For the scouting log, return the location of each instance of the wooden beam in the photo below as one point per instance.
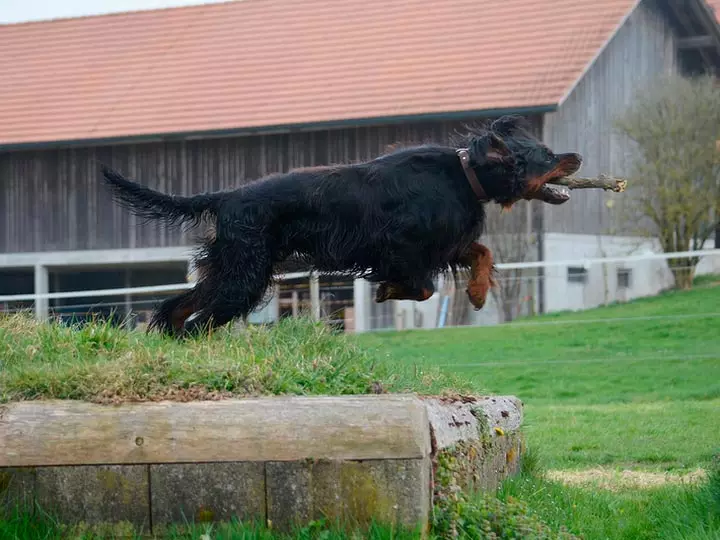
(696, 42)
(47, 433)
(681, 14)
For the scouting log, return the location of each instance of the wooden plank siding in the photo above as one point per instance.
(644, 48)
(54, 200)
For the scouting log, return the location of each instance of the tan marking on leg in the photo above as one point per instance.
(481, 275)
(180, 315)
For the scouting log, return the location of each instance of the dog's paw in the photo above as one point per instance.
(477, 293)
(384, 292)
(398, 291)
(478, 304)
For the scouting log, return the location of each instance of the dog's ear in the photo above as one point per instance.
(497, 150)
(490, 149)
(509, 125)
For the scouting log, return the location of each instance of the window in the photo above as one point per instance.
(623, 278)
(577, 274)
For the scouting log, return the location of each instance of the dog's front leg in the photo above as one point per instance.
(482, 267)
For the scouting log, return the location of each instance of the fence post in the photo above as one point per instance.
(361, 303)
(315, 295)
(42, 286)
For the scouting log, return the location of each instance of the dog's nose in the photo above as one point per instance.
(570, 162)
(572, 157)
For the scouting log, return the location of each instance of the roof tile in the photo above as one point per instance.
(261, 63)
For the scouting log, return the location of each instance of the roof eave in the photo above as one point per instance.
(277, 129)
(709, 19)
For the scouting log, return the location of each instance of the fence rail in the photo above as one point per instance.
(296, 275)
(568, 284)
(152, 289)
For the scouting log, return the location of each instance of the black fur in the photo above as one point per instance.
(403, 218)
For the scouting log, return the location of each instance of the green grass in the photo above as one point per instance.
(27, 527)
(660, 435)
(670, 512)
(526, 507)
(626, 385)
(102, 363)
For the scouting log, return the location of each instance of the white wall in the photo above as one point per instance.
(647, 277)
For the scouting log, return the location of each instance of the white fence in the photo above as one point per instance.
(547, 286)
(524, 289)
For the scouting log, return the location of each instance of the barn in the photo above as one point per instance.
(211, 96)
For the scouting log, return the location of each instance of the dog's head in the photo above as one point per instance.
(512, 164)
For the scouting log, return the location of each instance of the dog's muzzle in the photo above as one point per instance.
(553, 194)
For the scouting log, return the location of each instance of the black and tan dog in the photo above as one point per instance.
(399, 220)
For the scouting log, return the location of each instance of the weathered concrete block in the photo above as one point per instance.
(453, 420)
(481, 435)
(205, 492)
(291, 460)
(17, 491)
(95, 494)
(354, 492)
(289, 494)
(499, 460)
(483, 465)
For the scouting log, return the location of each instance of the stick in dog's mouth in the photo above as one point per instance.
(557, 190)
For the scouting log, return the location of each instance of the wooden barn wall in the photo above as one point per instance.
(644, 48)
(54, 200)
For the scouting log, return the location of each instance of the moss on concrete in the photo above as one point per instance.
(462, 509)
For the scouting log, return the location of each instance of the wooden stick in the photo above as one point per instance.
(602, 181)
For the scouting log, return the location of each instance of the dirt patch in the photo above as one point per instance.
(193, 393)
(612, 479)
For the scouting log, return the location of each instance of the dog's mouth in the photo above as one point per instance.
(542, 187)
(552, 194)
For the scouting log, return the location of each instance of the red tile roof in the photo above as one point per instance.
(260, 63)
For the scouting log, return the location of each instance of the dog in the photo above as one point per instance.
(398, 220)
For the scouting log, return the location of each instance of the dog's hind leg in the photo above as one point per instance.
(412, 289)
(230, 301)
(237, 278)
(170, 316)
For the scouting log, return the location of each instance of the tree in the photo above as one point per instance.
(674, 174)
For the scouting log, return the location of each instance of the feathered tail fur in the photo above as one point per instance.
(153, 205)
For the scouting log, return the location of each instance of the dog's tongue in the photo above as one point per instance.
(553, 194)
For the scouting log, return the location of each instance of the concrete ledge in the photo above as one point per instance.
(285, 460)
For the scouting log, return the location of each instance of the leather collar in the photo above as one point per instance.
(472, 178)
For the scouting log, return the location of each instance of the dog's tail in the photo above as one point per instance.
(153, 205)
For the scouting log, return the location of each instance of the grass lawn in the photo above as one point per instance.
(668, 512)
(29, 528)
(634, 385)
(105, 364)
